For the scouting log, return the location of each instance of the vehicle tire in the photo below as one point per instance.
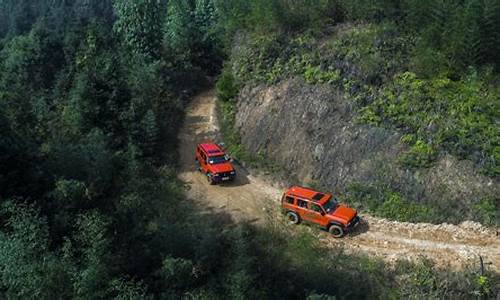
(210, 180)
(336, 231)
(292, 217)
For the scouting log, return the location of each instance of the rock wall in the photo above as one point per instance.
(312, 131)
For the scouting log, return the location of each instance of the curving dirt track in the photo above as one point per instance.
(254, 199)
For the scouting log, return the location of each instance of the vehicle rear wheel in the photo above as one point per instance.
(292, 217)
(336, 231)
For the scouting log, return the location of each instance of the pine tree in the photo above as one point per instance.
(150, 135)
(140, 23)
(179, 28)
(489, 24)
(27, 267)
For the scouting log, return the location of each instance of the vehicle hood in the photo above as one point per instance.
(221, 168)
(344, 212)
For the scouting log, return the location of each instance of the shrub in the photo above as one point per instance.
(396, 208)
(486, 210)
(456, 115)
(226, 86)
(420, 155)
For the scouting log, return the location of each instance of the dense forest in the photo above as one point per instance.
(91, 97)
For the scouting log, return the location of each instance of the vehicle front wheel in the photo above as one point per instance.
(336, 231)
(292, 217)
(210, 179)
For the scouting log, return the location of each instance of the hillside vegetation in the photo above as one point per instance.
(91, 97)
(428, 71)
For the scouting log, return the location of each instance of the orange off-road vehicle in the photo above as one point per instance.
(214, 163)
(303, 204)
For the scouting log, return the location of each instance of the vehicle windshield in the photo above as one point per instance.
(213, 160)
(330, 205)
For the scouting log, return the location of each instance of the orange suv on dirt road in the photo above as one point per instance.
(303, 204)
(214, 163)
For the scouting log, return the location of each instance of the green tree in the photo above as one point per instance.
(93, 241)
(27, 267)
(140, 23)
(179, 30)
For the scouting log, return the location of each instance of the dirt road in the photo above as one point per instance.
(255, 199)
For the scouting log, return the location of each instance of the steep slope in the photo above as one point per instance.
(314, 132)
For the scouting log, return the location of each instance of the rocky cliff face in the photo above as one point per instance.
(312, 131)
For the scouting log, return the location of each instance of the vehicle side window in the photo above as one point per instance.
(301, 203)
(316, 208)
(289, 199)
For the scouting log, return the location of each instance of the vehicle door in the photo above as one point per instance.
(302, 208)
(316, 215)
(203, 162)
(288, 202)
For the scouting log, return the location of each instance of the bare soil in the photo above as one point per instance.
(255, 199)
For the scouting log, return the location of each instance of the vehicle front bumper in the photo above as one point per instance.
(225, 177)
(353, 224)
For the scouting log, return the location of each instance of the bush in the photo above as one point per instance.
(384, 202)
(487, 211)
(420, 155)
(396, 208)
(456, 115)
(226, 87)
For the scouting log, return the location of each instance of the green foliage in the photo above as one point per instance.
(397, 77)
(190, 34)
(386, 203)
(456, 115)
(92, 237)
(178, 272)
(420, 155)
(140, 23)
(232, 138)
(487, 211)
(279, 15)
(314, 75)
(396, 208)
(128, 290)
(179, 27)
(483, 286)
(422, 282)
(87, 116)
(28, 268)
(226, 87)
(461, 32)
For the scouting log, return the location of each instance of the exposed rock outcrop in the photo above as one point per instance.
(313, 132)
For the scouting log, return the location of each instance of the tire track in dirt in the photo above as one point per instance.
(254, 199)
